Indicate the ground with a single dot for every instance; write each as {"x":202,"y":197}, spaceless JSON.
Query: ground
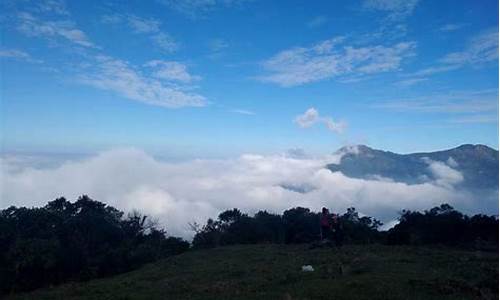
{"x":274,"y":272}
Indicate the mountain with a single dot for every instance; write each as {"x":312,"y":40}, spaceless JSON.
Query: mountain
{"x":478,"y":164}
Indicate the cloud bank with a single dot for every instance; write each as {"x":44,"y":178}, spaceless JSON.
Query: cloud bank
{"x":179,"y":193}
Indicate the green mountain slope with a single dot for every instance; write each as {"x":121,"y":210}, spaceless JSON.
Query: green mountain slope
{"x":274,"y":272}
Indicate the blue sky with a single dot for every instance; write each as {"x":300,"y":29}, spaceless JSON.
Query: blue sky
{"x":215,"y":78}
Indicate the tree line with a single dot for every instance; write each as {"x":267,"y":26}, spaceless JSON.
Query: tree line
{"x":296,"y":225}
{"x":440,"y":225}
{"x":65,"y":241}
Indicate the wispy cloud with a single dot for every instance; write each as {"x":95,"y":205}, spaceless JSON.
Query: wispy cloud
{"x":311,"y":117}
{"x":148,"y":26}
{"x":462,"y":106}
{"x":120,"y":77}
{"x":410,"y":82}
{"x":217,"y":45}
{"x":317,"y":22}
{"x":65,"y":30}
{"x":451,"y":27}
{"x":445,"y":175}
{"x":481,"y":49}
{"x":300,"y":65}
{"x":171,"y":70}
{"x":19,"y":55}
{"x":165,"y":42}
{"x":51,"y":6}
{"x":243,"y":112}
{"x":433,"y":70}
{"x":476,"y":119}
{"x":217,"y":48}
{"x":199,"y":8}
{"x":396,"y":9}
{"x":157,"y":82}
{"x":142,"y":25}
{"x":392,"y":25}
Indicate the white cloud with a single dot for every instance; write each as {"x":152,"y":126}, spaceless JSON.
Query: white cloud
{"x":481,"y":49}
{"x":18,"y":54}
{"x":111,"y":19}
{"x":317,"y":21}
{"x":451,"y":27}
{"x":396,"y":9}
{"x":118,"y":76}
{"x":197,"y":8}
{"x":311,"y":116}
{"x":410,"y":82}
{"x":163,"y":83}
{"x":308,"y":118}
{"x":243,"y":112}
{"x":171,"y":70}
{"x":337,"y":127}
{"x":141,"y":25}
{"x":433,"y":70}
{"x":454,"y":102}
{"x":32,"y":26}
{"x":217,"y":45}
{"x":475,"y":119}
{"x":52,"y":6}
{"x":326,"y":59}
{"x":165,"y":42}
{"x":178,"y":193}
{"x":445,"y":175}
{"x":451,"y":162}
{"x":149,"y":27}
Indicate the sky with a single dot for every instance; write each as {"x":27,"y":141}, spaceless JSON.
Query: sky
{"x":182,"y":109}
{"x":220,"y":78}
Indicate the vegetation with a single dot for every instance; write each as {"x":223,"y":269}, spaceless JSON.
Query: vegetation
{"x":84,"y":240}
{"x":273,"y":271}
{"x":444,"y":225}
{"x":75,"y":241}
{"x":439,"y":225}
{"x":296,"y":225}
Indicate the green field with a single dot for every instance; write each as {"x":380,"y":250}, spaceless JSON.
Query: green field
{"x":274,"y":272}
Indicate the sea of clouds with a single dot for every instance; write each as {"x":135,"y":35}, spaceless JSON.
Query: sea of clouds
{"x":192,"y":191}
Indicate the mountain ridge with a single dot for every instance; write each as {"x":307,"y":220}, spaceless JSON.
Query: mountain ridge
{"x":478,"y":164}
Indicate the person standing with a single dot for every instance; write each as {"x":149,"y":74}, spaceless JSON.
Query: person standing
{"x":331,"y":228}
{"x":337,"y":230}
{"x":325,"y":224}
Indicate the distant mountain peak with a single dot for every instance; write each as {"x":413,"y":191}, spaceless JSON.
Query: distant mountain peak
{"x":355,"y":149}
{"x":363,"y":149}
{"x":476,"y":147}
{"x":478,"y":164}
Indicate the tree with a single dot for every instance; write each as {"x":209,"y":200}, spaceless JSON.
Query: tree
{"x":76,"y":241}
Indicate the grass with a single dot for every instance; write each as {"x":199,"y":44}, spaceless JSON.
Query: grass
{"x":274,"y":272}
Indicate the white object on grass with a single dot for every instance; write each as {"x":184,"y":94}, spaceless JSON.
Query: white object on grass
{"x":307,"y":268}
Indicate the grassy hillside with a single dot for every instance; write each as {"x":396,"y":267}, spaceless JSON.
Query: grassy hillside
{"x":274,"y":272}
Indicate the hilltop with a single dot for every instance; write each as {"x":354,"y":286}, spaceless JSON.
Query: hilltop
{"x":274,"y":272}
